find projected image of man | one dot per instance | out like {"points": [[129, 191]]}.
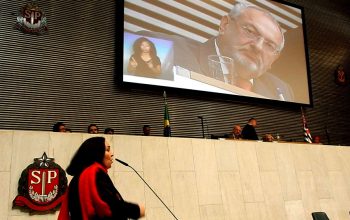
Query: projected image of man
{"points": [[248, 36], [254, 39]]}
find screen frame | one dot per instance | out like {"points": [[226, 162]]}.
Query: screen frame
{"points": [[119, 74]]}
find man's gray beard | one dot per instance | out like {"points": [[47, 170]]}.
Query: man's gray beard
{"points": [[251, 67]]}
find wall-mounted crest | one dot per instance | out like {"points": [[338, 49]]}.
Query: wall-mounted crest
{"points": [[340, 76], [41, 185], [31, 20]]}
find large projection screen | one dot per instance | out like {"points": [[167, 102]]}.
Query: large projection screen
{"points": [[243, 48]]}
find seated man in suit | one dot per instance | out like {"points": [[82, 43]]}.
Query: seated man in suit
{"points": [[59, 127], [146, 129], [252, 38], [92, 129], [236, 133], [268, 138]]}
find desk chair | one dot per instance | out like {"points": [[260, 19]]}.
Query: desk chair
{"points": [[319, 216]]}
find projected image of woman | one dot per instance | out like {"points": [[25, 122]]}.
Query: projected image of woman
{"points": [[144, 60]]}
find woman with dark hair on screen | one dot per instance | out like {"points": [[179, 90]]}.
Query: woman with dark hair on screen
{"points": [[91, 194], [144, 61]]}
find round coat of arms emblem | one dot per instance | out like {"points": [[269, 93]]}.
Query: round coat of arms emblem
{"points": [[41, 185]]}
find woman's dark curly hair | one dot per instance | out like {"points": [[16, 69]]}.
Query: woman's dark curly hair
{"points": [[137, 47], [91, 150]]}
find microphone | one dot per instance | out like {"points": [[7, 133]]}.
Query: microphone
{"points": [[200, 117], [122, 162], [125, 164]]}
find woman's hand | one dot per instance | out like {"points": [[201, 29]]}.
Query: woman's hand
{"points": [[150, 64], [142, 210], [133, 63]]}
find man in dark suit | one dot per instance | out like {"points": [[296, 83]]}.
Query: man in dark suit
{"points": [[252, 38], [248, 131]]}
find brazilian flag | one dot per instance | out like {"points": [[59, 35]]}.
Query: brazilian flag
{"points": [[167, 128]]}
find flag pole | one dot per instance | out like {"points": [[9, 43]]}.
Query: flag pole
{"points": [[164, 96], [307, 134], [167, 128]]}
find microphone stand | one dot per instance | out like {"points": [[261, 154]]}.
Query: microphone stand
{"points": [[327, 135], [125, 164], [201, 118], [208, 136]]}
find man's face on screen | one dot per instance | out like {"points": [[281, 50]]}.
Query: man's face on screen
{"points": [[252, 39]]}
